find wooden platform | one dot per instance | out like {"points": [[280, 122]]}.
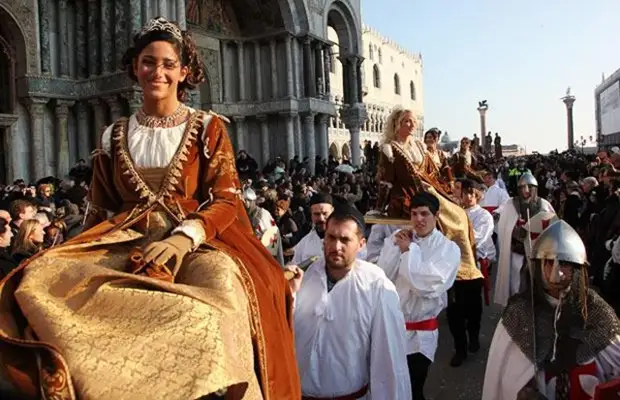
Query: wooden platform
{"points": [[385, 220]]}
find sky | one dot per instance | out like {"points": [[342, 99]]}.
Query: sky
{"points": [[519, 55]]}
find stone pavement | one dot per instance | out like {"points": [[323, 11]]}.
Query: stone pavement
{"points": [[465, 382]]}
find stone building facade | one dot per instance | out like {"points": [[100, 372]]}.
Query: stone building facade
{"points": [[391, 76], [267, 66]]}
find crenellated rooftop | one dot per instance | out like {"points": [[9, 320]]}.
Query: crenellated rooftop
{"points": [[390, 42]]}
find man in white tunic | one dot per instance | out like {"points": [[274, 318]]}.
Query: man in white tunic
{"points": [[576, 346], [512, 236], [495, 195], [422, 263], [349, 335], [264, 225]]}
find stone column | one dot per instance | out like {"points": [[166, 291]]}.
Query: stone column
{"points": [[83, 130], [63, 38], [299, 143], [569, 100], [36, 108], [324, 135], [353, 117], [93, 38], [106, 36], [310, 136], [359, 85], [226, 72], [122, 28], [62, 135], [290, 136], [240, 132], [180, 4], [44, 31], [274, 69], [259, 71], [98, 119], [289, 67], [82, 32], [327, 60], [298, 67], [353, 81], [264, 138], [145, 6], [134, 100], [309, 76], [355, 145], [135, 18], [241, 64], [116, 108], [319, 66], [162, 9]]}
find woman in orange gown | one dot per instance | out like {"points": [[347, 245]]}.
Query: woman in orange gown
{"points": [[206, 313]]}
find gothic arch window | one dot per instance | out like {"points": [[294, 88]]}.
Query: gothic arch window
{"points": [[412, 90], [370, 52], [376, 76], [379, 55], [396, 84]]}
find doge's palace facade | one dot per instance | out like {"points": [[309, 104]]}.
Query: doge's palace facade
{"points": [[391, 76]]}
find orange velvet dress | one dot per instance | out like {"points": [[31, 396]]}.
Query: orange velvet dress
{"points": [[75, 324]]}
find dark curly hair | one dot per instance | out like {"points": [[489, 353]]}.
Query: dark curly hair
{"points": [[187, 54]]}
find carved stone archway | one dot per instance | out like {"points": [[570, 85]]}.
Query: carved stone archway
{"points": [[333, 151], [18, 27]]}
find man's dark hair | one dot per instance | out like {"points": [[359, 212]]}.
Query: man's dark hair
{"points": [[18, 207], [347, 212], [425, 199]]}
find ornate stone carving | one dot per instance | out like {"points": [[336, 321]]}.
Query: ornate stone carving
{"points": [[134, 99], [211, 59], [25, 18]]}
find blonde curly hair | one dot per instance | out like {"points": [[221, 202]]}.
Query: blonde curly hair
{"points": [[393, 123]]}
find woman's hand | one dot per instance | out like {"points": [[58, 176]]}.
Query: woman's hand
{"points": [[175, 247]]}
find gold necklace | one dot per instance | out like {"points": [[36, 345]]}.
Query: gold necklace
{"points": [[170, 121]]}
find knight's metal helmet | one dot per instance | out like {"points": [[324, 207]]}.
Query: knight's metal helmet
{"points": [[249, 194], [560, 242], [528, 179]]}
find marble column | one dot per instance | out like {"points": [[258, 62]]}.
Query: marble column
{"points": [[274, 68], [327, 60], [98, 120], [320, 70], [162, 8], [121, 29], [63, 38], [44, 31], [93, 38], [145, 7], [135, 18], [106, 37], [83, 131], [226, 72], [355, 145], [259, 71], [62, 136], [359, 84], [346, 80], [36, 108], [309, 76], [353, 80], [116, 108], [134, 100], [289, 67], [240, 132], [297, 67], [310, 137], [324, 135], [180, 5], [299, 143], [264, 138], [241, 65], [81, 34], [290, 136]]}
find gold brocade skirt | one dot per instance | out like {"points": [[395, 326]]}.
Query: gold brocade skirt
{"points": [[124, 336]]}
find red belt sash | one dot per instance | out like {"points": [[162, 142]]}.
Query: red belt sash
{"points": [[490, 208], [486, 283], [353, 396], [426, 325]]}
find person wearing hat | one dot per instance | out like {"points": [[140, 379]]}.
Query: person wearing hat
{"points": [[265, 227], [512, 236], [558, 339], [423, 264], [465, 306], [349, 336]]}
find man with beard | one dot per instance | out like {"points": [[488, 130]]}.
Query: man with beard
{"points": [[321, 207], [512, 236], [558, 339], [349, 336]]}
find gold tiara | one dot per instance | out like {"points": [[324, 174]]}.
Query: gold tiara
{"points": [[161, 24]]}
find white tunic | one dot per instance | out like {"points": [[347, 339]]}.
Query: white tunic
{"points": [[494, 196], [352, 336], [422, 277], [312, 245], [482, 222], [509, 370], [508, 279], [378, 234]]}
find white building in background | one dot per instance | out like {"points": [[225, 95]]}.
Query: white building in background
{"points": [[391, 76]]}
